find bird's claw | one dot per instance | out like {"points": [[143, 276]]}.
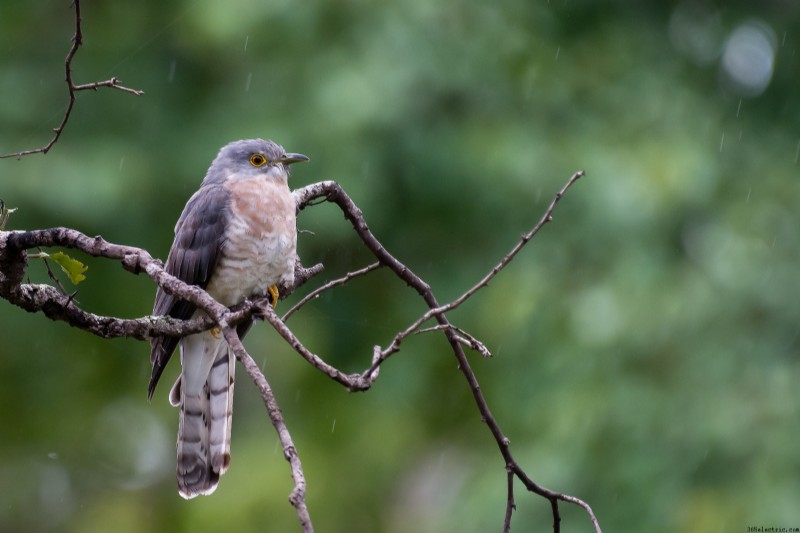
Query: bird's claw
{"points": [[259, 312], [216, 332], [273, 294]]}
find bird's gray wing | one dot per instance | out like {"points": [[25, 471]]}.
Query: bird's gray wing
{"points": [[199, 236]]}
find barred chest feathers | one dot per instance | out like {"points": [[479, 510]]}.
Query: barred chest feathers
{"points": [[260, 240]]}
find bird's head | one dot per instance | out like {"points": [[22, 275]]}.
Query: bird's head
{"points": [[252, 157]]}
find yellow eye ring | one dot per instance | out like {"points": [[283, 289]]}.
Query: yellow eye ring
{"points": [[258, 160]]}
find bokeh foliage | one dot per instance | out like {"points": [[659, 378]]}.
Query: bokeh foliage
{"points": [[646, 344]]}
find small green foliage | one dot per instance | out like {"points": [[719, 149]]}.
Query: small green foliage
{"points": [[71, 267]]}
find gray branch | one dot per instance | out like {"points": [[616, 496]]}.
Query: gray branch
{"points": [[57, 306]]}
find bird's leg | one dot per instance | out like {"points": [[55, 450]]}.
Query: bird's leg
{"points": [[273, 294]]}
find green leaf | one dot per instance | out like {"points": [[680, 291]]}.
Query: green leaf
{"points": [[71, 267]]}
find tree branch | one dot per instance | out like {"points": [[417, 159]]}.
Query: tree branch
{"points": [[113, 83], [332, 192], [45, 298], [298, 495]]}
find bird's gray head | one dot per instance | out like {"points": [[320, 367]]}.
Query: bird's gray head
{"points": [[252, 157]]}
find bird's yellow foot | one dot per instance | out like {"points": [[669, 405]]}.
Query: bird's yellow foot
{"points": [[273, 294], [216, 332]]}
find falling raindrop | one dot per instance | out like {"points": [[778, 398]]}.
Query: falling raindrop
{"points": [[171, 75], [739, 109], [558, 51], [121, 162], [247, 83], [333, 428], [246, 40], [722, 142], [749, 190]]}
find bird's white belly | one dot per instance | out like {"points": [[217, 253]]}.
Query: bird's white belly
{"points": [[260, 242]]}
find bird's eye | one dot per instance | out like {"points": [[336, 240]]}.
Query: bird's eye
{"points": [[257, 160]]}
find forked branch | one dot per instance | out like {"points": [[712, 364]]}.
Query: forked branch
{"points": [[57, 306], [72, 88]]}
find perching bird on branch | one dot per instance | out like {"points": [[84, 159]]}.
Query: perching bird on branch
{"points": [[236, 238]]}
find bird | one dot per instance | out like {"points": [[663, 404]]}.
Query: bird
{"points": [[236, 238]]}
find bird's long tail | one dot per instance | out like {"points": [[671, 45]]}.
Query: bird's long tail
{"points": [[206, 405]]}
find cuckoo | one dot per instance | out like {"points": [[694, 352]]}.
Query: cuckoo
{"points": [[236, 238]]}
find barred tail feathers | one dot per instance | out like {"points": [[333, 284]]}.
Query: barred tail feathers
{"points": [[204, 393]]}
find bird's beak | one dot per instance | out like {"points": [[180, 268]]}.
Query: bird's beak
{"points": [[288, 159]]}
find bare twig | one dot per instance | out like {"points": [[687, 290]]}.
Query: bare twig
{"points": [[464, 338], [319, 290], [510, 505], [113, 83]]}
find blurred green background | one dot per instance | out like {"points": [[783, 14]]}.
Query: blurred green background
{"points": [[646, 343]]}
